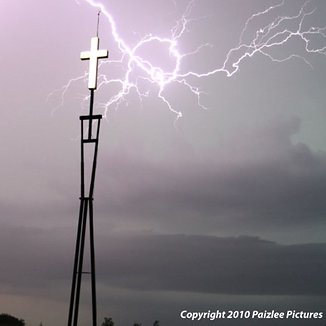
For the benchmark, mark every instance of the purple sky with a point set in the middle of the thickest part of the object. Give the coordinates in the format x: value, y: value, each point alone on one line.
x: 223, y: 209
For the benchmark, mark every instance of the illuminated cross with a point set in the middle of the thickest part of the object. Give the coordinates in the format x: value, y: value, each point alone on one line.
x: 93, y: 55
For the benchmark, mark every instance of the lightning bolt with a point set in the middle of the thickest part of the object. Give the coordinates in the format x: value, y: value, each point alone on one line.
x: 275, y: 34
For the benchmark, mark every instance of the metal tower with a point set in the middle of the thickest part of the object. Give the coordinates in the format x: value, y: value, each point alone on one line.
x: 89, y: 139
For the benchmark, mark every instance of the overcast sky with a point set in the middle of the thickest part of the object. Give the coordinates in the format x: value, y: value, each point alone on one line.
x: 221, y: 209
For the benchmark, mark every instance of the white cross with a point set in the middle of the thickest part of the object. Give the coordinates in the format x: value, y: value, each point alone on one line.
x: 93, y: 55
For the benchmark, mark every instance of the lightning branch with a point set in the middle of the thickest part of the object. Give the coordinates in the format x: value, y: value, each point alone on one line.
x: 256, y: 39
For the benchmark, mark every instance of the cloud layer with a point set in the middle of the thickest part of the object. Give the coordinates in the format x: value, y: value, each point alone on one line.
x: 233, y: 265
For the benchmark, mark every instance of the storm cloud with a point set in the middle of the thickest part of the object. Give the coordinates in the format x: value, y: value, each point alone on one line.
x: 205, y: 264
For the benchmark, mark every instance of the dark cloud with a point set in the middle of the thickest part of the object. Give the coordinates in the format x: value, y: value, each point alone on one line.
x: 234, y: 265
x: 242, y: 265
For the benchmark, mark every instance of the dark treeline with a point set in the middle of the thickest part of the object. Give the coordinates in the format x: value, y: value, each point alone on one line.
x: 110, y: 322
x: 8, y: 320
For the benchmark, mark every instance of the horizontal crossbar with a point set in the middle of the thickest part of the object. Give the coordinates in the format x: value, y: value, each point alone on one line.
x: 89, y: 140
x: 90, y: 117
